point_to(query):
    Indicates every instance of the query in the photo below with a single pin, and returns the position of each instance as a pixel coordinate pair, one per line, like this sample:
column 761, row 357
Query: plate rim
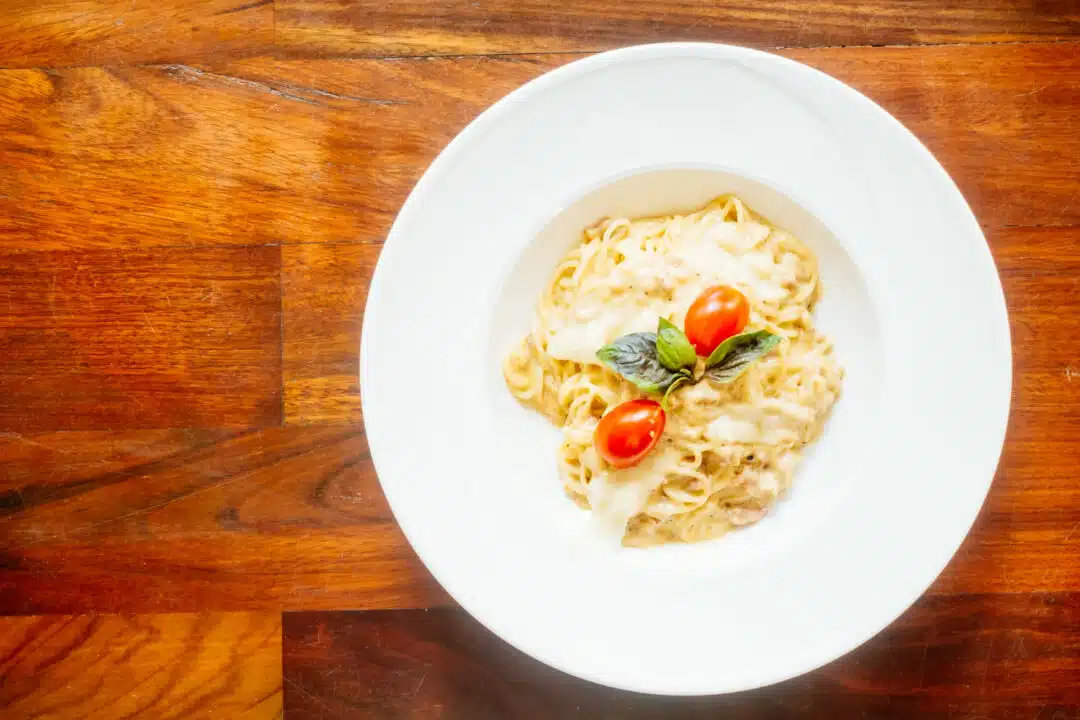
column 712, row 51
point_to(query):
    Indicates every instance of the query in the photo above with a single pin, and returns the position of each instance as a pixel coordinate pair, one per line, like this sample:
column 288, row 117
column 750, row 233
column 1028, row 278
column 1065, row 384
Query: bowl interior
column 911, row 301
column 846, row 313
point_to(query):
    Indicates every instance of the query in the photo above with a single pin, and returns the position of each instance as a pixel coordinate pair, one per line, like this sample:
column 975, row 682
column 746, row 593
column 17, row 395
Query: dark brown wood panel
column 183, row 520
column 324, row 289
column 1000, row 656
column 416, row 27
column 55, row 33
column 164, row 338
column 167, row 667
column 266, row 152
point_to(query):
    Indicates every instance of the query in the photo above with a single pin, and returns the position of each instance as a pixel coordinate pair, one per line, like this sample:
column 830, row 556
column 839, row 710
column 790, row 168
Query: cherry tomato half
column 627, row 433
column 718, row 313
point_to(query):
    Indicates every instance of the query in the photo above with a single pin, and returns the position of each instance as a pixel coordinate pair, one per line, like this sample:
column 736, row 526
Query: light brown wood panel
column 1027, row 536
column 1000, row 118
column 416, row 27
column 199, row 520
column 179, row 156
column 294, row 517
column 1006, row 136
column 968, row 656
column 163, row 338
column 153, row 334
column 109, row 32
column 165, row 667
column 174, row 156
column 324, row 288
column 1035, row 252
column 265, row 152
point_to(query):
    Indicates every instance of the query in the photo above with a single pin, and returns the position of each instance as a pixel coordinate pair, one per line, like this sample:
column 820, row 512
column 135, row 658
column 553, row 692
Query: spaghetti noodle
column 728, row 451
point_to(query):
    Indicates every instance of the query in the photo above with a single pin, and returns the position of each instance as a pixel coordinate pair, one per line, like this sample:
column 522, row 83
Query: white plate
column 912, row 301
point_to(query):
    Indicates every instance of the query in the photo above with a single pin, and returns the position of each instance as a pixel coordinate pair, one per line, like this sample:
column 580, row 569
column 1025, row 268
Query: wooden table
column 193, row 194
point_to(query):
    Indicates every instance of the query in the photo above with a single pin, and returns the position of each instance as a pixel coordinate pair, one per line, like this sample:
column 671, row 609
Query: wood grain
column 192, row 202
column 415, row 27
column 1000, row 133
column 293, row 518
column 164, row 338
column 184, row 520
column 60, row 33
column 1007, row 136
column 174, row 156
column 164, row 667
column 1001, row 656
column 324, row 288
column 261, row 152
column 109, row 32
column 1027, row 537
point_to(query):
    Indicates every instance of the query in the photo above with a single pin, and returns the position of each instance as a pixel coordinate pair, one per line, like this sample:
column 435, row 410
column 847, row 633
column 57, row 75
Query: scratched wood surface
column 165, row 338
column 193, row 196
column 267, row 152
column 1016, row 656
column 341, row 27
column 108, row 32
column 186, row 520
column 56, row 33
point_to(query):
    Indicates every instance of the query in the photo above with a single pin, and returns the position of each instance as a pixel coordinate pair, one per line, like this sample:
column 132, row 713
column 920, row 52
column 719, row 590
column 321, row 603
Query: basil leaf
column 673, row 349
column 682, row 379
column 731, row 358
column 634, row 357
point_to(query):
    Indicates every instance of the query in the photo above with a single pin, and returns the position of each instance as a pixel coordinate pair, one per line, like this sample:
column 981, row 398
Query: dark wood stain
column 415, row 27
column 1006, row 656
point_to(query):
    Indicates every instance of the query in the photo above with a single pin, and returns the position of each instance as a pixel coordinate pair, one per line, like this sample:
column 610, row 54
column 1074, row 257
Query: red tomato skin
column 629, row 431
column 718, row 313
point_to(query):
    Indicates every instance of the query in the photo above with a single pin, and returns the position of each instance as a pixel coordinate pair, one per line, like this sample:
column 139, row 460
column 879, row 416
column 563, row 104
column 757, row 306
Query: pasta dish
column 679, row 356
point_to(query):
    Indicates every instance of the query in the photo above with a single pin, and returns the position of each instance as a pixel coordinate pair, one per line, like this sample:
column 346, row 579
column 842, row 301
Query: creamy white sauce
column 727, row 429
column 647, row 285
column 615, row 497
column 656, row 271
